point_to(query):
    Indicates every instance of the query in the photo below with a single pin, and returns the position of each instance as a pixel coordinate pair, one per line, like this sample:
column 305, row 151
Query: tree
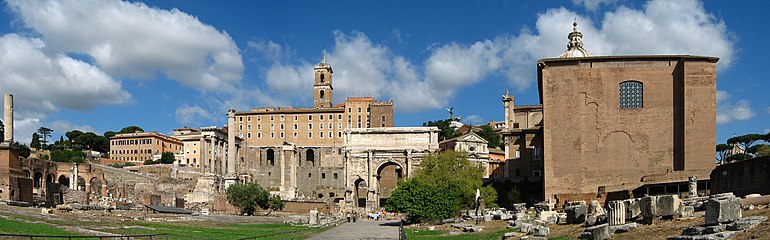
column 746, row 140
column 35, row 141
column 249, row 196
column 72, row 135
column 131, row 129
column 447, row 132
column 44, row 133
column 67, row 156
column 494, row 140
column 760, row 150
column 447, row 175
column 722, row 150
column 110, row 134
column 23, row 150
column 167, row 158
column 274, row 203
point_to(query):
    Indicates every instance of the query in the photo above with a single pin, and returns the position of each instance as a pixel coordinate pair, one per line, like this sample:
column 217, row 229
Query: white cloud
column 593, row 5
column 768, row 110
column 43, row 83
column 767, row 130
column 473, row 119
column 137, row 41
column 365, row 68
column 732, row 111
column 63, row 126
column 192, row 115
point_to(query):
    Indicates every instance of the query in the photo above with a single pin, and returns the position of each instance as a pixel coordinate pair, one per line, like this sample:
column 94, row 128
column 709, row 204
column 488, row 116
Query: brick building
column 624, row 124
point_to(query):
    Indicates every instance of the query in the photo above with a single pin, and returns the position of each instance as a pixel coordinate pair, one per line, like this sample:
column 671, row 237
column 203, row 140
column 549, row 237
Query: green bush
column 423, row 201
column 249, row 196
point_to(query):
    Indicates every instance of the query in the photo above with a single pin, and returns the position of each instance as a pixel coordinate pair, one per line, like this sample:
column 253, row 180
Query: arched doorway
column 310, row 157
column 387, row 178
column 38, row 180
column 271, row 157
column 64, row 181
column 360, row 193
column 49, row 178
column 26, row 173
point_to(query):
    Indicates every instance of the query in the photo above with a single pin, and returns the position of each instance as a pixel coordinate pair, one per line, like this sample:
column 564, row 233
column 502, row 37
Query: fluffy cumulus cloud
column 62, row 64
column 43, row 83
column 473, row 119
column 365, row 68
column 732, row 111
column 137, row 41
column 192, row 115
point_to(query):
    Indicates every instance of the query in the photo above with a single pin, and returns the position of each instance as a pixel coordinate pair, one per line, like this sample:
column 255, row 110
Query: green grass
column 427, row 234
column 19, row 227
column 231, row 231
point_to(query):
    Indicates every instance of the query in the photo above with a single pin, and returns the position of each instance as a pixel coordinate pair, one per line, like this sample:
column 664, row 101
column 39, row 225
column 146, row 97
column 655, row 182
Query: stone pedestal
column 723, row 208
column 616, row 214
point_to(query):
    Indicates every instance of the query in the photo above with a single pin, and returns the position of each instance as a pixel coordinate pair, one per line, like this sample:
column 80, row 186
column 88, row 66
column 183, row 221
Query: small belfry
column 322, row 86
column 575, row 45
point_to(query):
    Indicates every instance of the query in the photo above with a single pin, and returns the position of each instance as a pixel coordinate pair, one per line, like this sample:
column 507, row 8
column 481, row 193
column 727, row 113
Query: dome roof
column 575, row 45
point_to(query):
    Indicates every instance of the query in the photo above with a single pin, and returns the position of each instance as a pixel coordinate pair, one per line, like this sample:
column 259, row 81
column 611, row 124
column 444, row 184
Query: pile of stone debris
column 722, row 213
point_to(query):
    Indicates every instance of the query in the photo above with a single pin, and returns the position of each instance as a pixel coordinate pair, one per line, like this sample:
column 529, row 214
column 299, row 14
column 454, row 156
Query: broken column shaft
column 8, row 121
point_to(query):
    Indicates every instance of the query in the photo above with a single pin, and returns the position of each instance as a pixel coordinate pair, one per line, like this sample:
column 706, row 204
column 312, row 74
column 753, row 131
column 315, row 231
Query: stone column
column 74, row 177
column 212, row 156
column 8, row 122
column 408, row 163
column 203, row 157
column 223, row 162
column 616, row 214
column 230, row 176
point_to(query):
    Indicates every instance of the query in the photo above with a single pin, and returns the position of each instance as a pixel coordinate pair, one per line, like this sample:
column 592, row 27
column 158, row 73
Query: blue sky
column 102, row 65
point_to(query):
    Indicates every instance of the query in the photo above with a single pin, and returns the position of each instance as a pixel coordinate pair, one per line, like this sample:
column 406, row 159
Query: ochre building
column 142, row 146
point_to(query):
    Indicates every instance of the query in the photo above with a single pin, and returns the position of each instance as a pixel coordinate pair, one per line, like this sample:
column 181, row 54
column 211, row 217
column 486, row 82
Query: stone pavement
column 362, row 229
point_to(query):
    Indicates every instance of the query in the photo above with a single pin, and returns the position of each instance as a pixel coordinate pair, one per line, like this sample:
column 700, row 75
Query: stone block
column 686, row 211
column 511, row 235
column 599, row 232
column 595, row 208
column 746, row 223
column 562, row 218
column 541, row 231
column 519, row 207
column 659, row 206
column 521, row 215
column 547, row 215
column 632, row 208
column 472, row 229
column 524, row 227
column 576, row 214
column 623, row 228
column 487, row 218
column 533, row 238
column 595, row 219
column 723, row 209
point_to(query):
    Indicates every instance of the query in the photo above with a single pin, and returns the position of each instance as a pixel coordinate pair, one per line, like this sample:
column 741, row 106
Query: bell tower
column 322, row 86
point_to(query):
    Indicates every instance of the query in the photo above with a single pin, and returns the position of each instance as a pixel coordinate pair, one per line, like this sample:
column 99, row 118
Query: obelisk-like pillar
column 8, row 121
column 231, row 177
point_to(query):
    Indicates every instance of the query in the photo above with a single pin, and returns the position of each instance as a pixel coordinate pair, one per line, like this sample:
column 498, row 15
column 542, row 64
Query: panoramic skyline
column 103, row 65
